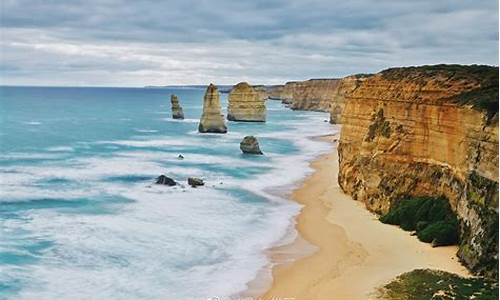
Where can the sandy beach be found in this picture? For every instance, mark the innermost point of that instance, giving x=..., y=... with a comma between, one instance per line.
x=355, y=252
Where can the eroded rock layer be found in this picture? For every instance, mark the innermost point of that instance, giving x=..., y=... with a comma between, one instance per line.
x=245, y=103
x=312, y=94
x=337, y=101
x=428, y=131
x=212, y=119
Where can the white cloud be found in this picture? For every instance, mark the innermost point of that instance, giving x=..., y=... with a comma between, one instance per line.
x=147, y=43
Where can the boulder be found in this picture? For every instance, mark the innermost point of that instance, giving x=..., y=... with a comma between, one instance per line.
x=177, y=112
x=250, y=145
x=246, y=104
x=162, y=179
x=194, y=181
x=211, y=119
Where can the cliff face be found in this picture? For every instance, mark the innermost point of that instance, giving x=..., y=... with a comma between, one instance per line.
x=312, y=94
x=212, y=119
x=337, y=102
x=428, y=131
x=246, y=104
x=177, y=112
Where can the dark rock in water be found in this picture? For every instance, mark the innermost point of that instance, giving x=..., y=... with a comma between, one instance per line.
x=177, y=112
x=250, y=145
x=162, y=179
x=180, y=156
x=194, y=182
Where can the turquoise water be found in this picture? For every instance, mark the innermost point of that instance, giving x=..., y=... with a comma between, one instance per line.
x=81, y=219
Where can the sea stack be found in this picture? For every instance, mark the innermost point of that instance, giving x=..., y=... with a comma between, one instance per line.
x=177, y=112
x=246, y=104
x=211, y=119
x=250, y=145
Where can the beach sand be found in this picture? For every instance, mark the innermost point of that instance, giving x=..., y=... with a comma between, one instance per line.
x=355, y=252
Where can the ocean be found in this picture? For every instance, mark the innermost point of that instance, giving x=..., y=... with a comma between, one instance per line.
x=81, y=217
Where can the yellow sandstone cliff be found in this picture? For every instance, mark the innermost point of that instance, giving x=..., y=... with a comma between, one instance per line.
x=312, y=94
x=337, y=101
x=427, y=131
x=245, y=103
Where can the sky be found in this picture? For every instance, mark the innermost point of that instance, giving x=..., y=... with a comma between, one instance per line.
x=146, y=42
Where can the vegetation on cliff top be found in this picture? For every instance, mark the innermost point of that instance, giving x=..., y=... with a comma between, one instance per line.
x=433, y=284
x=431, y=218
x=484, y=98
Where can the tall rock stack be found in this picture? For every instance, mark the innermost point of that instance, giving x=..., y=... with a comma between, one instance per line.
x=246, y=104
x=212, y=119
x=177, y=112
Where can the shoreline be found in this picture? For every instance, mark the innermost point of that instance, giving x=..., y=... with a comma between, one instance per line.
x=341, y=249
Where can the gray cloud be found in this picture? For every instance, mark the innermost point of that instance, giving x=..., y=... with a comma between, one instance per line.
x=115, y=42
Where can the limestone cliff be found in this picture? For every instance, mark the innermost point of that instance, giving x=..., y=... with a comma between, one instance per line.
x=246, y=104
x=177, y=112
x=274, y=92
x=428, y=131
x=337, y=101
x=212, y=119
x=312, y=94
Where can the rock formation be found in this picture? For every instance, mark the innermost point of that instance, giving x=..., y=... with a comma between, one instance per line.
x=177, y=112
x=312, y=94
x=246, y=104
x=250, y=145
x=428, y=131
x=162, y=179
x=211, y=119
x=194, y=181
x=262, y=91
x=345, y=86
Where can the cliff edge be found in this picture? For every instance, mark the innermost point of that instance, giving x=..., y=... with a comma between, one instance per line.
x=427, y=131
x=312, y=94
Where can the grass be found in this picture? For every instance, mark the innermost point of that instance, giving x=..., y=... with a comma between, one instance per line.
x=431, y=218
x=433, y=284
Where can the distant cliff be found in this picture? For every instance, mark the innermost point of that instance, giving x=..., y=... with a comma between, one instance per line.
x=312, y=94
x=427, y=131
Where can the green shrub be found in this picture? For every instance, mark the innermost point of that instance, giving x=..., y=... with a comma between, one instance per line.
x=441, y=233
x=432, y=218
x=421, y=225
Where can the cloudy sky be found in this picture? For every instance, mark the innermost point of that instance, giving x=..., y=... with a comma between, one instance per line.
x=147, y=42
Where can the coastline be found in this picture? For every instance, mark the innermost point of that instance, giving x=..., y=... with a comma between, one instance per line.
x=342, y=250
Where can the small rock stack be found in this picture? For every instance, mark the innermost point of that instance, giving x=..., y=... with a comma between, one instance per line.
x=177, y=112
x=250, y=145
x=212, y=119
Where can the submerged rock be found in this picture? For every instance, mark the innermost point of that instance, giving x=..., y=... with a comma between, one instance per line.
x=211, y=119
x=250, y=145
x=162, y=179
x=177, y=112
x=246, y=104
x=194, y=181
